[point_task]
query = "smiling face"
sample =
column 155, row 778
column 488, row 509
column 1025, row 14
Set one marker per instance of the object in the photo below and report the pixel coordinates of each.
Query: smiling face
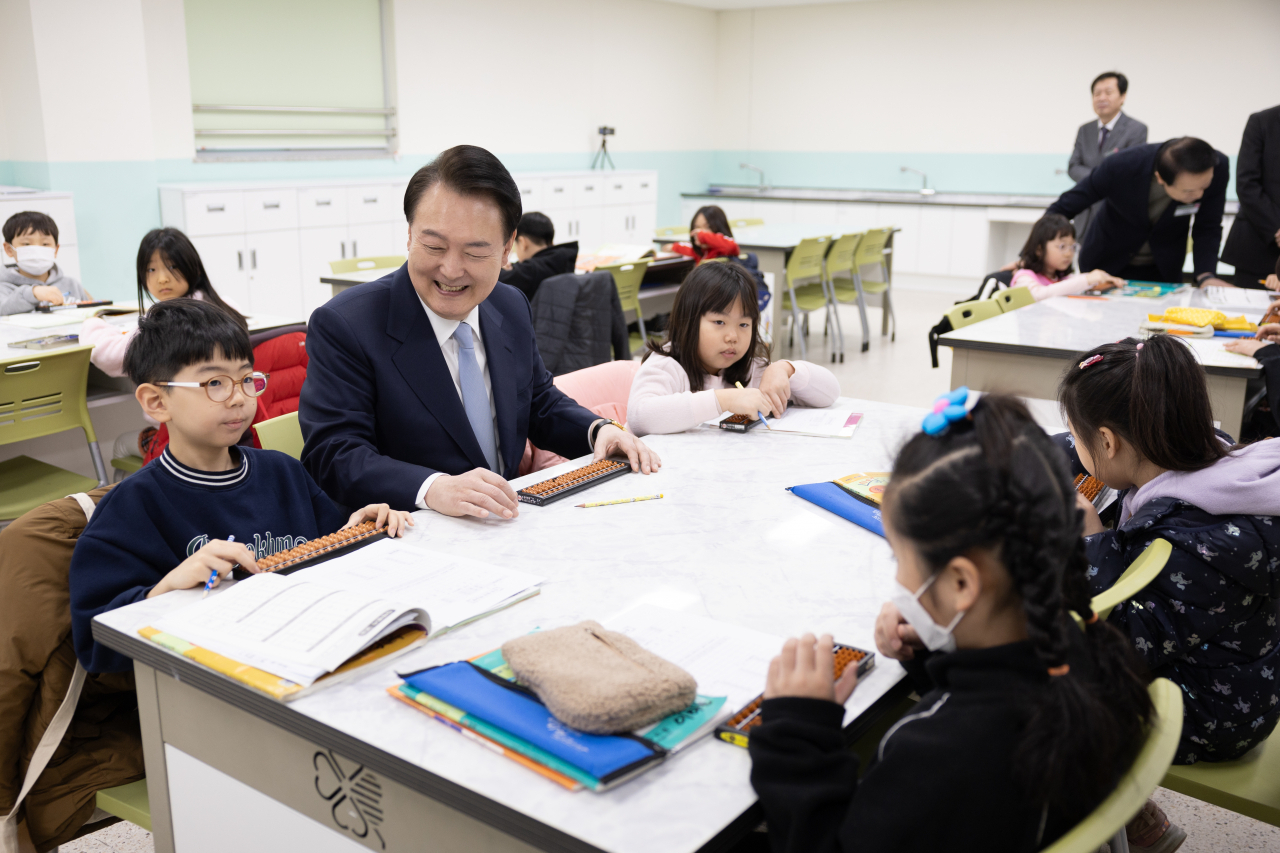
column 164, row 282
column 723, row 337
column 456, row 250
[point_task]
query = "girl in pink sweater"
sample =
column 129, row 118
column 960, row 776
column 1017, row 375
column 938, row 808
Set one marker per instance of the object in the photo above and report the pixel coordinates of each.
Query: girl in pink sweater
column 168, row 267
column 714, row 343
column 1046, row 260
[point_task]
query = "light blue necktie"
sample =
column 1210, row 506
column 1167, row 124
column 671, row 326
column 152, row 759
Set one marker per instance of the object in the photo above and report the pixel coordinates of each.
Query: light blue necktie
column 475, row 399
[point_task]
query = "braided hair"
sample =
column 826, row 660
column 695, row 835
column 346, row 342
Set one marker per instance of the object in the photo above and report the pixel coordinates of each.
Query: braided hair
column 996, row 482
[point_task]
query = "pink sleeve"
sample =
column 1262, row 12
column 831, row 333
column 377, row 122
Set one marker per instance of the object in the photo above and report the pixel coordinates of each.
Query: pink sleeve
column 661, row 401
column 1077, row 283
column 813, row 385
column 109, row 344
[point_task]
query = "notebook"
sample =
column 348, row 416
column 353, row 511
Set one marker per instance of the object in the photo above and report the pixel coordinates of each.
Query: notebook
column 832, row 422
column 835, row 499
column 866, row 487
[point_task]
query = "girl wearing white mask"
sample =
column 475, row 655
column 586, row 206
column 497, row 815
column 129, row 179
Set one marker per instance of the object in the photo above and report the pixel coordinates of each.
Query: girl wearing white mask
column 1025, row 722
column 31, row 274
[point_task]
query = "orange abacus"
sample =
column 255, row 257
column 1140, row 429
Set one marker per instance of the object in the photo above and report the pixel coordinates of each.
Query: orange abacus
column 548, row 491
column 317, row 550
column 1089, row 486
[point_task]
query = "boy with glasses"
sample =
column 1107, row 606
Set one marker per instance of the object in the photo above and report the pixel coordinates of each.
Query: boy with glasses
column 170, row 526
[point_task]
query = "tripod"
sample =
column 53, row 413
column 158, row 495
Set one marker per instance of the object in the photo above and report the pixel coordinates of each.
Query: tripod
column 602, row 155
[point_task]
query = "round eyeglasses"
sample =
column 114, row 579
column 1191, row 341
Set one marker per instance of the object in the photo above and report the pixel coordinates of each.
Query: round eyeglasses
column 220, row 388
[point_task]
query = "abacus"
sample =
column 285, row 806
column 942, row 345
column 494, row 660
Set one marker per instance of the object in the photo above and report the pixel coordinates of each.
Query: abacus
column 1089, row 486
column 549, row 491
column 736, row 730
column 739, row 423
column 317, row 550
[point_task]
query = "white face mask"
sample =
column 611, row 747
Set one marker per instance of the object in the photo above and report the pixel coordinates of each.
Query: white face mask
column 35, row 260
column 935, row 637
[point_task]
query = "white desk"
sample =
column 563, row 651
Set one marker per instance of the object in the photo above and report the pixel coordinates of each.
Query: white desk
column 727, row 542
column 1025, row 351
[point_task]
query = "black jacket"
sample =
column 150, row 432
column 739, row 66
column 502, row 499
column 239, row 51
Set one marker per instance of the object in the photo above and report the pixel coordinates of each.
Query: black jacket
column 1120, row 227
column 942, row 778
column 553, row 260
column 1251, row 245
column 1269, row 358
column 577, row 319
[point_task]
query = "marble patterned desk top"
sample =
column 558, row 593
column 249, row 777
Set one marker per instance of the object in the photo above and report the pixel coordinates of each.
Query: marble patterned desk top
column 726, row 542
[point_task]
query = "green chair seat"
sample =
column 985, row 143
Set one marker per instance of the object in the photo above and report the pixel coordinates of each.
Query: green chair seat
column 380, row 262
column 809, row 297
column 28, row 483
column 128, row 802
column 875, row 286
column 1249, row 786
column 127, row 464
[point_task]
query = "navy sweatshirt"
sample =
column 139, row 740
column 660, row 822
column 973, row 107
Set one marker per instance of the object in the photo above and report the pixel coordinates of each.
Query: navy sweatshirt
column 158, row 517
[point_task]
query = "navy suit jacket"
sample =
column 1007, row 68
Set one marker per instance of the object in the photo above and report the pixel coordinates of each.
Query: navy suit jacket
column 379, row 410
column 1121, row 226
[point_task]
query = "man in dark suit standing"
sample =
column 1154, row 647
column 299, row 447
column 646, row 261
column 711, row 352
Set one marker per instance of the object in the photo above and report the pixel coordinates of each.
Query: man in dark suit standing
column 1253, row 246
column 1149, row 194
column 424, row 384
column 1112, row 131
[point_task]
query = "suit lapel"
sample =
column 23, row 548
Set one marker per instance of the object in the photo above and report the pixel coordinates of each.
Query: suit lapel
column 422, row 365
column 501, row 363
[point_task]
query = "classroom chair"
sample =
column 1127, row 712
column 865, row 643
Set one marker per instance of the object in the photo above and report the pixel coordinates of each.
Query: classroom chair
column 1013, row 298
column 380, row 262
column 840, row 268
column 627, row 278
column 745, row 223
column 873, row 268
column 1107, row 821
column 283, row 433
column 806, row 265
column 126, row 465
column 128, row 802
column 1249, row 786
column 672, row 231
column 602, row 389
column 1141, row 572
column 42, row 395
column 967, row 313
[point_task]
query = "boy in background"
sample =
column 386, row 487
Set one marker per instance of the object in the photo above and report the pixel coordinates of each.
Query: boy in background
column 31, row 239
column 539, row 259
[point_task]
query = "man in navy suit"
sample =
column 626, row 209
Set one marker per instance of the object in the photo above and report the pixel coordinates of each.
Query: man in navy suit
column 423, row 385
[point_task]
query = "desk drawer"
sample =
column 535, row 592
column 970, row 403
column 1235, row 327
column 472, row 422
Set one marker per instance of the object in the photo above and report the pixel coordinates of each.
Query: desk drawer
column 270, row 210
column 213, row 213
column 589, row 192
column 322, row 206
column 374, row 203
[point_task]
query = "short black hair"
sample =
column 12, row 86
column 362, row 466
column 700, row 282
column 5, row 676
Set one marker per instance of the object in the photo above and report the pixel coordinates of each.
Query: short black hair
column 537, row 227
column 1184, row 154
column 470, row 171
column 30, row 222
column 1122, row 82
column 176, row 334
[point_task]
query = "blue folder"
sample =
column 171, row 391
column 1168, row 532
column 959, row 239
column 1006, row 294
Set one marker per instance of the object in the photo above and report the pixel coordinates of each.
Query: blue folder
column 831, row 497
column 513, row 710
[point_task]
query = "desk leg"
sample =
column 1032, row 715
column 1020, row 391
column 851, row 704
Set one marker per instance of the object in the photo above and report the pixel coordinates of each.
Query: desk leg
column 775, row 261
column 1227, row 395
column 153, row 758
column 1006, row 373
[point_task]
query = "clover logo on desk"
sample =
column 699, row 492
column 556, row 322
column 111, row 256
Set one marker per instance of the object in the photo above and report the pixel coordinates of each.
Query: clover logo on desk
column 354, row 795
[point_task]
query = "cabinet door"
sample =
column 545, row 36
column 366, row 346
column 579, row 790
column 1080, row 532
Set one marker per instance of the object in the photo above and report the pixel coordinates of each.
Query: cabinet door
column 589, row 228
column 969, row 236
column 588, row 191
column 644, row 221
column 615, row 224
column 645, row 188
column 225, row 262
column 378, row 238
column 557, row 194
column 934, row 247
column 208, row 213
column 531, row 194
column 316, row 247
column 271, row 210
column 275, row 277
column 374, row 203
column 772, row 212
column 320, row 206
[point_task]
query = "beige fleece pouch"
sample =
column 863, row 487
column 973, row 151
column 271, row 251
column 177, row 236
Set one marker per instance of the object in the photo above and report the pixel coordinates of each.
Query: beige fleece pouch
column 598, row 681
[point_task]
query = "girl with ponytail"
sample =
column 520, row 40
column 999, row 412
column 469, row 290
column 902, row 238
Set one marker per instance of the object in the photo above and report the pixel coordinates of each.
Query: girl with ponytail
column 1141, row 421
column 1026, row 721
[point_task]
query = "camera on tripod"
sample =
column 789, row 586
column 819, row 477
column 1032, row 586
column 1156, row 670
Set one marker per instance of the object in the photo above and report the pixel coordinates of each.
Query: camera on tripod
column 602, row 153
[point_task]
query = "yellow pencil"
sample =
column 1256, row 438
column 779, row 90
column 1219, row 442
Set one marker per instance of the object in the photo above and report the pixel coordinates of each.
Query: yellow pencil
column 621, row 501
column 761, row 414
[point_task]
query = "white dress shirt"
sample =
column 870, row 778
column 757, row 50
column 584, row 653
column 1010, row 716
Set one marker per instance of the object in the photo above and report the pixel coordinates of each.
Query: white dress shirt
column 444, row 330
column 1110, row 126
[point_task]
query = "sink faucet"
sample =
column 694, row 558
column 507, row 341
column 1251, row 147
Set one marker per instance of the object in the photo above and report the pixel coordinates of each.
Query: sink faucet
column 763, row 185
column 924, row 190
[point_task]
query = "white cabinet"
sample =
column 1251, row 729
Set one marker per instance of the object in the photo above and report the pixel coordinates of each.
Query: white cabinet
column 224, row 261
column 275, row 281
column 318, row 246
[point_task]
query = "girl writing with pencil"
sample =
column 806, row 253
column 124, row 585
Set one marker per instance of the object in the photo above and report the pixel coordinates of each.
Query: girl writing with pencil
column 714, row 345
column 1025, row 722
column 1044, row 266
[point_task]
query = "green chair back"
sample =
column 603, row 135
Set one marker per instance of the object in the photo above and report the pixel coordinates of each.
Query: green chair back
column 380, row 262
column 840, row 258
column 1153, row 760
column 283, row 433
column 627, row 278
column 1141, row 572
column 1013, row 298
column 1249, row 786
column 806, row 259
column 967, row 313
column 128, row 802
column 672, row 231
column 745, row 223
column 870, row 259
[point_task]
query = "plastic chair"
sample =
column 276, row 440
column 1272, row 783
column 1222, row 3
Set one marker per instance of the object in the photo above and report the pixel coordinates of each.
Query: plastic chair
column 745, row 223
column 806, row 264
column 42, row 395
column 1249, row 786
column 672, row 231
column 283, row 433
column 873, row 266
column 1107, row 821
column 1013, row 298
column 840, row 268
column 1141, row 572
column 627, row 278
column 967, row 313
column 126, row 465
column 380, row 262
column 127, row 802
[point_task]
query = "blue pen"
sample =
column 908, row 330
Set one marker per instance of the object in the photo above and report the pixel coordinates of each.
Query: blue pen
column 213, row 576
column 758, row 414
column 1223, row 333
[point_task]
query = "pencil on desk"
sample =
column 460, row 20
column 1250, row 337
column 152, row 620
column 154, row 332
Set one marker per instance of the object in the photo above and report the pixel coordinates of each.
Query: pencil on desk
column 621, row 501
column 759, row 414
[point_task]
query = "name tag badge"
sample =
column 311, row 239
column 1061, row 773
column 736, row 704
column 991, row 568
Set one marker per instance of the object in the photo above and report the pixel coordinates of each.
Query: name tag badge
column 1186, row 209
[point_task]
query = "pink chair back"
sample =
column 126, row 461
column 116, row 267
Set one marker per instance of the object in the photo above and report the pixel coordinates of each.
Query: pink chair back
column 602, row 389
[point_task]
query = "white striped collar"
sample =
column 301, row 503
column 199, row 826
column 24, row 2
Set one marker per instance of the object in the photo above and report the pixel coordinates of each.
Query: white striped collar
column 210, row 479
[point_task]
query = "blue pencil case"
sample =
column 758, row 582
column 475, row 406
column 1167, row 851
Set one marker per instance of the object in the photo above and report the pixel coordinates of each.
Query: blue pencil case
column 831, row 497
column 515, row 709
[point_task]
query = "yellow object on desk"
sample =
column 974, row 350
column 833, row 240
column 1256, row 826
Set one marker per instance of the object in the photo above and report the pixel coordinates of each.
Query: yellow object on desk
column 620, row 501
column 1188, row 316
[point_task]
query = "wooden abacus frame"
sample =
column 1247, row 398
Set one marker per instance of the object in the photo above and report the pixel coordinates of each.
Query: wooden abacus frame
column 739, row 423
column 550, row 491
column 1089, row 486
column 317, row 550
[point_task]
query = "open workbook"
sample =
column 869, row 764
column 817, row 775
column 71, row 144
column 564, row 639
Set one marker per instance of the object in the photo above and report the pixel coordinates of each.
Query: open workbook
column 290, row 634
column 838, row 421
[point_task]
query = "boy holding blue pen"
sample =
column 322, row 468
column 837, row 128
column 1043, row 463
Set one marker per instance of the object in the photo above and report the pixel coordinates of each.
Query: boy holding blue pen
column 170, row 525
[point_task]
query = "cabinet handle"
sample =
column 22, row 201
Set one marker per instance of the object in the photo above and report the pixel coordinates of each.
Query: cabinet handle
column 215, row 208
column 240, row 261
column 558, row 189
column 271, row 205
column 344, row 249
column 355, row 253
column 323, row 202
column 253, row 259
column 371, row 199
column 617, row 186
column 644, row 186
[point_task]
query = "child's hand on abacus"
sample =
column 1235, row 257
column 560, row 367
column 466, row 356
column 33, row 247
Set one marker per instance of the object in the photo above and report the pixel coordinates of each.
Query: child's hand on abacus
column 1092, row 523
column 745, row 401
column 217, row 556
column 396, row 521
column 806, row 670
column 894, row 637
column 775, row 384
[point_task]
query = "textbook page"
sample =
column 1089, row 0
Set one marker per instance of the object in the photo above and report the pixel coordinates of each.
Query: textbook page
column 1237, row 299
column 835, row 422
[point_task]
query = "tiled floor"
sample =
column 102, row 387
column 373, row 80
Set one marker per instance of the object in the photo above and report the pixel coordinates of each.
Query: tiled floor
column 897, row 372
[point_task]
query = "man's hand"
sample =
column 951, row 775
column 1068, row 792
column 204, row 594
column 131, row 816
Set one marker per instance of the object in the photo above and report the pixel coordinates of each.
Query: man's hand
column 217, row 556
column 1272, row 282
column 775, row 384
column 478, row 492
column 1092, row 523
column 47, row 293
column 382, row 515
column 1246, row 346
column 1214, row 281
column 894, row 637
column 806, row 670
column 610, row 440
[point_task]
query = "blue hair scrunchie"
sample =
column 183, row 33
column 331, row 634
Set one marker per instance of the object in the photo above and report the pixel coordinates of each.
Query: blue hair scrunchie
column 947, row 409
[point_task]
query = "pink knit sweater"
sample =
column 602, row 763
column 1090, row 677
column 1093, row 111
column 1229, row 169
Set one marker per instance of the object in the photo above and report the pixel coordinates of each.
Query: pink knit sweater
column 1043, row 288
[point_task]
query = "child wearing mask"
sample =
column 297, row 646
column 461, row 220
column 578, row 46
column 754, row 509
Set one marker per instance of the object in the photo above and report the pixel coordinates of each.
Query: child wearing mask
column 31, row 242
